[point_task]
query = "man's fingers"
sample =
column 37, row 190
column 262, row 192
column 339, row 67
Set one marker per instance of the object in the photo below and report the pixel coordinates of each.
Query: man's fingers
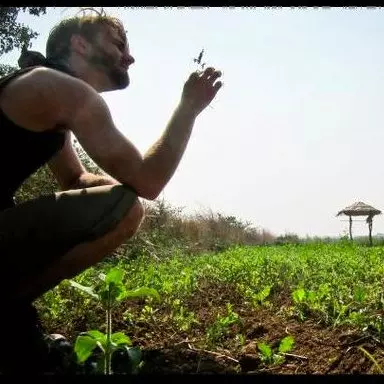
column 193, row 76
column 206, row 78
column 211, row 75
column 208, row 72
column 215, row 75
column 217, row 86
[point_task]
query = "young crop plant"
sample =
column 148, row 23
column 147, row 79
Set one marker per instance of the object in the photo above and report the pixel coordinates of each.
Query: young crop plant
column 256, row 298
column 269, row 356
column 183, row 318
column 109, row 292
column 222, row 325
column 314, row 302
column 300, row 297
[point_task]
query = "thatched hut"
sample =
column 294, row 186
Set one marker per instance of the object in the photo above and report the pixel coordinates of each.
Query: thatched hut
column 360, row 209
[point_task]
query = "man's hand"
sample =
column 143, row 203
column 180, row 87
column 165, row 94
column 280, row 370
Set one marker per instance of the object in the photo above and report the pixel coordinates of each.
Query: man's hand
column 200, row 89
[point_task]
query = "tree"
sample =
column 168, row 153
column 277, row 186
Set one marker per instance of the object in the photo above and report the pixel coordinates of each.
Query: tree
column 14, row 34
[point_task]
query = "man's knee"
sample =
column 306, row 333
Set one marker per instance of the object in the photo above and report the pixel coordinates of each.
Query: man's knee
column 134, row 217
column 109, row 209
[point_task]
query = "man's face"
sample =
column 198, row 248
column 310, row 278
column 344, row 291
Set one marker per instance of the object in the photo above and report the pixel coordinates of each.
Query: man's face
column 110, row 54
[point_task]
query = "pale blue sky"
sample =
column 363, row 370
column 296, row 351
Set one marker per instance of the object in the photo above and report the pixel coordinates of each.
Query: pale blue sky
column 295, row 134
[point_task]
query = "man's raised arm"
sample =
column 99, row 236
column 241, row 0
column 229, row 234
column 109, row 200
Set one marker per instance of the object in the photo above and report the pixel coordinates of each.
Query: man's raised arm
column 148, row 174
column 56, row 100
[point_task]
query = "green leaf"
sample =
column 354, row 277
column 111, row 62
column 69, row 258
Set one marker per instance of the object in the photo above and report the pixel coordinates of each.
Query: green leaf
column 299, row 295
column 84, row 346
column 83, row 288
column 323, row 291
column 115, row 275
column 98, row 336
column 111, row 293
column 311, row 296
column 116, row 291
column 359, row 294
column 120, row 338
column 286, row 344
column 142, row 292
column 265, row 350
column 122, row 291
column 262, row 295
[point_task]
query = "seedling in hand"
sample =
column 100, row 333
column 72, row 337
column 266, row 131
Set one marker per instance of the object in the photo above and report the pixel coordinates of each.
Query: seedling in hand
column 198, row 60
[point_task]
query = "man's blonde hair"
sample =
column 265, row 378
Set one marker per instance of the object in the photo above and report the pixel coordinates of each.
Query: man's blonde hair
column 59, row 40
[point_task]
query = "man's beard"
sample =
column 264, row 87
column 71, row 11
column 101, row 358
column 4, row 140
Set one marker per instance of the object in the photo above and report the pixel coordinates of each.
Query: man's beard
column 118, row 77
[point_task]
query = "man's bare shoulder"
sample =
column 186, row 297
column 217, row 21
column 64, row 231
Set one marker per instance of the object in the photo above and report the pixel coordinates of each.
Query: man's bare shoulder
column 50, row 79
column 43, row 98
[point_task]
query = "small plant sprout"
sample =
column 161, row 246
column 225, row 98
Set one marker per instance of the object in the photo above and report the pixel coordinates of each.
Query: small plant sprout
column 198, row 60
column 269, row 356
column 182, row 318
column 109, row 292
column 222, row 325
column 200, row 65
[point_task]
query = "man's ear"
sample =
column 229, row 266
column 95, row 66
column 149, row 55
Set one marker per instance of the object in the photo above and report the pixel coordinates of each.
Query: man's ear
column 79, row 44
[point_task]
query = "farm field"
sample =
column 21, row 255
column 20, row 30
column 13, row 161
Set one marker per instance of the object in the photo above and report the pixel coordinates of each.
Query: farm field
column 290, row 309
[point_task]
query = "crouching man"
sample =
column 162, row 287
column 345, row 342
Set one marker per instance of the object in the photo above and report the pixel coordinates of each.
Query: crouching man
column 52, row 238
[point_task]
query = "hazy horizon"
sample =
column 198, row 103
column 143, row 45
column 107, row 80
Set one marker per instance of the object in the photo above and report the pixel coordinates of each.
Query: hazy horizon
column 293, row 137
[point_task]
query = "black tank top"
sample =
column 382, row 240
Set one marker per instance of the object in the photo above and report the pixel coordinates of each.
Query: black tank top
column 22, row 151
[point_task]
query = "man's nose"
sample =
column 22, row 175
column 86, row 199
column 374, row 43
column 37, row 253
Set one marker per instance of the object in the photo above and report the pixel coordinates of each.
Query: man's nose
column 128, row 59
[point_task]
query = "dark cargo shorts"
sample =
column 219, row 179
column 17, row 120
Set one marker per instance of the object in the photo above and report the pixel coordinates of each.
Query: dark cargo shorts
column 36, row 233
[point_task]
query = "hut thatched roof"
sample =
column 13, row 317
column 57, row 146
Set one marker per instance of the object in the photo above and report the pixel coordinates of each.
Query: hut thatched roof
column 359, row 209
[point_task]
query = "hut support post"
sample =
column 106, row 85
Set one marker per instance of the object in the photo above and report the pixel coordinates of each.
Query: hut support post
column 350, row 228
column 369, row 221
